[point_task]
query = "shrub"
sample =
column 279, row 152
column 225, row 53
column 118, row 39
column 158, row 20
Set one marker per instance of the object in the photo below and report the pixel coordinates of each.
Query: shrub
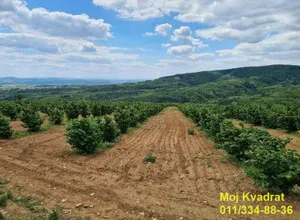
column 238, row 142
column 150, row 159
column 31, row 119
column 84, row 134
column 123, row 119
column 109, row 129
column 9, row 195
column 3, row 200
column 10, row 110
column 290, row 123
column 191, row 131
column 55, row 214
column 84, row 109
column 96, row 110
column 72, row 110
column 274, row 170
column 56, row 116
column 5, row 129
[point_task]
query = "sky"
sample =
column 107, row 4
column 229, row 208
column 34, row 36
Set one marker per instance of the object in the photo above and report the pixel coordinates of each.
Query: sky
column 144, row 39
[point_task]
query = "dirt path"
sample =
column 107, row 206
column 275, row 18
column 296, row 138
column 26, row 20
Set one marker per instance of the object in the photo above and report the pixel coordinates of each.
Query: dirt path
column 184, row 183
column 293, row 145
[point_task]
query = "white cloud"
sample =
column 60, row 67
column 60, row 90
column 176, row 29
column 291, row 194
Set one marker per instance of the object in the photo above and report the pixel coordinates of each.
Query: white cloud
column 161, row 30
column 15, row 14
column 180, row 50
column 244, row 21
column 166, row 45
column 89, row 47
column 184, row 36
column 201, row 56
column 28, row 41
column 183, row 31
column 283, row 46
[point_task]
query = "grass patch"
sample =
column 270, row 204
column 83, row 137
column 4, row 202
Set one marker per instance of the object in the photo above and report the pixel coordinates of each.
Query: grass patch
column 208, row 163
column 46, row 127
column 55, row 214
column 3, row 200
column 105, row 146
column 191, row 131
column 20, row 134
column 3, row 181
column 150, row 159
column 31, row 203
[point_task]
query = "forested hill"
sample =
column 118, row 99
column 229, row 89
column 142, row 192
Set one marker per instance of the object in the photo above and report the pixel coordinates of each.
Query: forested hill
column 275, row 83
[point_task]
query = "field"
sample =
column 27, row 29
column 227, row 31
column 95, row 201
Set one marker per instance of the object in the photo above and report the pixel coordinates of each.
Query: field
column 184, row 183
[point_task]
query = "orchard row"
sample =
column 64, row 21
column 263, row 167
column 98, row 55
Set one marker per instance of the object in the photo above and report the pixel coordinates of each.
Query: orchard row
column 263, row 157
column 89, row 125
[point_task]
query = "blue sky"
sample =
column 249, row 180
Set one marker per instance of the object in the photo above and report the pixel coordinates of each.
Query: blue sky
column 132, row 39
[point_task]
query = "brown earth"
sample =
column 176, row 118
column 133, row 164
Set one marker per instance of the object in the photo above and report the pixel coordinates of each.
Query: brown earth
column 293, row 145
column 184, row 183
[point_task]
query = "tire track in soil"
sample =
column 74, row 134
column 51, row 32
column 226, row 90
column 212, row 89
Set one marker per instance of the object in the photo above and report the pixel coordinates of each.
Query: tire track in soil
column 125, row 187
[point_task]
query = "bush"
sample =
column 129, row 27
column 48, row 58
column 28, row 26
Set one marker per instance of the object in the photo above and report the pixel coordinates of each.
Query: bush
column 96, row 110
column 3, row 200
column 84, row 109
column 263, row 157
column 126, row 118
column 191, row 131
column 72, row 110
column 55, row 214
column 237, row 142
column 84, row 134
column 56, row 116
column 10, row 110
column 150, row 159
column 274, row 170
column 109, row 129
column 31, row 119
column 5, row 129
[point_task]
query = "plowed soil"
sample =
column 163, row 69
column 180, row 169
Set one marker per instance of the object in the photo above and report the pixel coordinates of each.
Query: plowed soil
column 293, row 145
column 184, row 183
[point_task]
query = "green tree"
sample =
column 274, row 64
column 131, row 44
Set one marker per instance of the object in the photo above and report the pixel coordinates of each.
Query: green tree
column 5, row 129
column 31, row 119
column 56, row 116
column 72, row 110
column 109, row 129
column 84, row 134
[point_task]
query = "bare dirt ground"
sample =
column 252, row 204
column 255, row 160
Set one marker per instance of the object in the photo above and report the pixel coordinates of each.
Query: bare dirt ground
column 184, row 183
column 293, row 145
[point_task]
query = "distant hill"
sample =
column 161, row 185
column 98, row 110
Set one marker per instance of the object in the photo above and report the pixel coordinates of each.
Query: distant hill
column 59, row 81
column 275, row 83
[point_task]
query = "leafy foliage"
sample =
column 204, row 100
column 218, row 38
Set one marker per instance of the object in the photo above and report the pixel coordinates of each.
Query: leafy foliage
column 268, row 84
column 191, row 131
column 84, row 109
column 274, row 169
column 31, row 119
column 5, row 129
column 3, row 200
column 263, row 157
column 126, row 118
column 150, row 159
column 84, row 134
column 10, row 110
column 276, row 116
column 72, row 110
column 56, row 116
column 109, row 129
